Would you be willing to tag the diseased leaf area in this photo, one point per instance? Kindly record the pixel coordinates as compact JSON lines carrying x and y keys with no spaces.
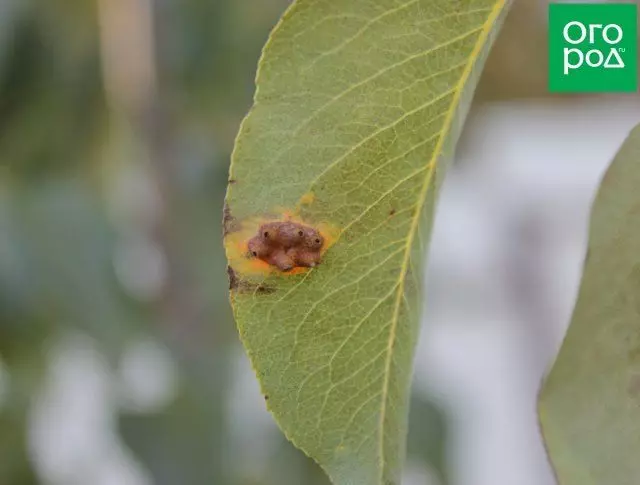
{"x":358,"y":103}
{"x":287,"y":245}
{"x":590,"y":403}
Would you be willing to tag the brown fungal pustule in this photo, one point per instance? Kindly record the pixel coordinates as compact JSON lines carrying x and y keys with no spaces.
{"x":304,"y":257}
{"x":287,"y":245}
{"x":259,"y":248}
{"x":288,"y":234}
{"x":312,"y":239}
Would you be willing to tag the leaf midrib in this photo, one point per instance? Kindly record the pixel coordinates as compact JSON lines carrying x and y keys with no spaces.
{"x":480,"y":43}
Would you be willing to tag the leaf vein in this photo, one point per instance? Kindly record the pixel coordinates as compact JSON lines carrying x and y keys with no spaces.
{"x":486,"y":27}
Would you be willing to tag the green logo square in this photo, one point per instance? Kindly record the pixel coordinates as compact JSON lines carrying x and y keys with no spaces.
{"x":593,"y":47}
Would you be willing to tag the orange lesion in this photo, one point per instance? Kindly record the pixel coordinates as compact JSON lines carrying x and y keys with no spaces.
{"x":244,"y":235}
{"x":307,"y":199}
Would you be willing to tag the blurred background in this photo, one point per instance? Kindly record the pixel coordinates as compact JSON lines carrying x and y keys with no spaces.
{"x":119,"y":359}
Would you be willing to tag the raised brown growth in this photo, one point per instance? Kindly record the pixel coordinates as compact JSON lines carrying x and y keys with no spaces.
{"x":287,"y":245}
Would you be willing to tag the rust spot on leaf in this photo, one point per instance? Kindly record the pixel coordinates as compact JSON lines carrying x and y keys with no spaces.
{"x":248,"y":266}
{"x":233,"y":278}
{"x":307,"y":199}
{"x":243,"y":286}
{"x":261,"y":289}
{"x":287,"y":245}
{"x":229,"y":223}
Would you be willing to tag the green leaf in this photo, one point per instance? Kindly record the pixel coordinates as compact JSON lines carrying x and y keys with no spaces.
{"x":427,"y":439}
{"x":590,"y":402}
{"x":357,"y":109}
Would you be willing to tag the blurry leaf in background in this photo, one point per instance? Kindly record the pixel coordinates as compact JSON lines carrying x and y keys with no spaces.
{"x":50,"y":94}
{"x":517,"y":65}
{"x":357,"y":110}
{"x":427,"y":440}
{"x":14,"y":466}
{"x":590,"y":402}
{"x":173,"y":448}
